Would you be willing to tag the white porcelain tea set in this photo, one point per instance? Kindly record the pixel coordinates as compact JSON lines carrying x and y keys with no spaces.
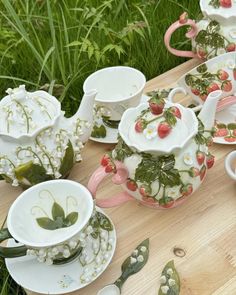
{"x":55,"y":228}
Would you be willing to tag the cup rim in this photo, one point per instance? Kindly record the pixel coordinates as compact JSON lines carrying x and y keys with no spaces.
{"x":90,"y":209}
{"x":85,"y":89}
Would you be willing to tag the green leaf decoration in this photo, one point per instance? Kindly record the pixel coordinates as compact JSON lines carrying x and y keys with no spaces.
{"x":189,"y":80}
{"x":169,"y":177}
{"x":47,"y":223}
{"x":110,"y":123}
{"x":99,"y":132}
{"x":57,"y":212}
{"x":213,"y":27}
{"x":202,"y":37}
{"x":71,"y":218}
{"x":202,"y":68}
{"x":134,"y":263}
{"x":215,"y":3}
{"x":104,"y":222}
{"x":231,"y":126}
{"x":171,"y":276}
{"x":122,"y":151}
{"x":221,"y":125}
{"x":170,"y":117}
{"x":67,"y":161}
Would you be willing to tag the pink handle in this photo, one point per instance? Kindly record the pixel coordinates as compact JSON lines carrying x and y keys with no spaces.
{"x":119,"y":178}
{"x":227,"y":101}
{"x":191,"y":34}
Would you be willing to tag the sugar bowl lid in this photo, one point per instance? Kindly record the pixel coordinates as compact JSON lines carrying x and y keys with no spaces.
{"x":155,"y":127}
{"x":24,"y":113}
{"x":220,"y":10}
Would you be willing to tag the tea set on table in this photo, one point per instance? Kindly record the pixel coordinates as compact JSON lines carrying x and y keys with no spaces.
{"x":55,"y":228}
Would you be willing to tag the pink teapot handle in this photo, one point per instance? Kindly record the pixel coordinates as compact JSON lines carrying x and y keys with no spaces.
{"x":191,"y":34}
{"x":119,"y":177}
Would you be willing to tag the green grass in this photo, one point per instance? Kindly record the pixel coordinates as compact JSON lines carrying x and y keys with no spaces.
{"x":56,"y":44}
{"x":60,"y":42}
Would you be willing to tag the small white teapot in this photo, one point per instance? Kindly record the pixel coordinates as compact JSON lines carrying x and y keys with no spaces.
{"x":162,"y":154}
{"x":37,"y":142}
{"x":215,"y":34}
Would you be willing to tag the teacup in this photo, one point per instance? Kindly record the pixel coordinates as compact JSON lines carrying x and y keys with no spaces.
{"x":119,"y":88}
{"x":52,"y":220}
{"x":230,"y":165}
{"x":219,"y":73}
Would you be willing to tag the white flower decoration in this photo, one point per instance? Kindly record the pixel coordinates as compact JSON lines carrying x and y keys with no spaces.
{"x":150,"y":132}
{"x":231,"y":64}
{"x":173,"y":193}
{"x":188,"y":159}
{"x":232,"y":33}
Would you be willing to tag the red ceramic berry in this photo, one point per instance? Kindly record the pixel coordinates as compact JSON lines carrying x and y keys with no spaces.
{"x":210,"y":160}
{"x":131,"y":185}
{"x":202,"y":53}
{"x":226,"y":86}
{"x":230,"y":138}
{"x":195,"y":91}
{"x":109,"y":168}
{"x":156,"y":105}
{"x":226,"y":3}
{"x":212,"y":87}
{"x":176,"y":112}
{"x":187,"y":189}
{"x":105,"y":160}
{"x":144,"y":190}
{"x":183,"y":18}
{"x":222,"y":75}
{"x":231,"y":47}
{"x":203,"y":96}
{"x":194,"y":172}
{"x":163,"y":129}
{"x":221,"y":132}
{"x":139,"y":126}
{"x":202,"y":172}
{"x":166,"y":202}
{"x":200,"y":157}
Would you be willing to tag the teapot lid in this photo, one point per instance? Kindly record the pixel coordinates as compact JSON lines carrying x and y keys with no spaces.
{"x":220,"y":10}
{"x":24,"y":113}
{"x":158,"y":127}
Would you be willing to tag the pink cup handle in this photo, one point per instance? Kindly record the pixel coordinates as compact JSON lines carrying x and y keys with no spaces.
{"x":191,"y":34}
{"x":119,"y":177}
{"x":228,"y":101}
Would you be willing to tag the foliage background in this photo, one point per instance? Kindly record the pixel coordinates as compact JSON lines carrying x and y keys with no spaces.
{"x":56,"y":44}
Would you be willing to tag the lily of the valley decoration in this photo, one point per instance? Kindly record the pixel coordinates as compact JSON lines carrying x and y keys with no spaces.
{"x":170,"y":281}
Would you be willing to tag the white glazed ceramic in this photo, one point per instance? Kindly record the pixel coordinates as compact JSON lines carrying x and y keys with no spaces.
{"x":159,"y":171}
{"x":118,"y":88}
{"x":62,"y":279}
{"x":214,"y":35}
{"x":230,"y":165}
{"x":37,"y":142}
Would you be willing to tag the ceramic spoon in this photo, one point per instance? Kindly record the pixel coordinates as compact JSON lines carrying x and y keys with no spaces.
{"x":134,"y":263}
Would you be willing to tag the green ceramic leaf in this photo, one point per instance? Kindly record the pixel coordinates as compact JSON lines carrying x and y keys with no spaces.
{"x":71,"y":218}
{"x":221,"y":125}
{"x":231,"y":126}
{"x":57,"y":211}
{"x":134,"y":263}
{"x":46,"y":223}
{"x":189,"y":80}
{"x":104,"y":222}
{"x":110,"y":123}
{"x":29,"y":174}
{"x":170,"y":273}
{"x":215,"y":3}
{"x":122,"y":151}
{"x":169,"y":177}
{"x":213,"y":27}
{"x":68,"y":160}
{"x":99,"y":132}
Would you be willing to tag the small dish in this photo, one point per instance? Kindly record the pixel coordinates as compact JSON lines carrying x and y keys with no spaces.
{"x":112,"y":133}
{"x":225,"y":123}
{"x":61,"y":279}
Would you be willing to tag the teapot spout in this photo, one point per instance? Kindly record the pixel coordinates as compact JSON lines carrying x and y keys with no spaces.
{"x":85,"y":113}
{"x":207,"y":114}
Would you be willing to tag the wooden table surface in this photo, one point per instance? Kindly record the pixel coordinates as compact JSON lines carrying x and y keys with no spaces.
{"x":204,"y":227}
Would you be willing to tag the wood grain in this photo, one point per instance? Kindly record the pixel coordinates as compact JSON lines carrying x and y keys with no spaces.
{"x":204,"y":227}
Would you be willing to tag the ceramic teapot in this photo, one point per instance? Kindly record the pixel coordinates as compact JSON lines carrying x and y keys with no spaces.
{"x":215,"y":34}
{"x":162,"y":154}
{"x":37,"y":142}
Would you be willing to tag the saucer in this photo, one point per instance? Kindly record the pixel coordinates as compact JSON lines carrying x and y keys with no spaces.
{"x":112,"y":133}
{"x":60,"y":279}
{"x":223,"y":122}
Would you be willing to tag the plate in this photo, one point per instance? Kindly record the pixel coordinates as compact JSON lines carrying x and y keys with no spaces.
{"x":60,"y":279}
{"x":225,"y":119}
{"x":112,"y":133}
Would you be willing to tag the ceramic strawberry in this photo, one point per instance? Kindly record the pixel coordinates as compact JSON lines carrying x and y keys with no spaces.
{"x":166,"y":161}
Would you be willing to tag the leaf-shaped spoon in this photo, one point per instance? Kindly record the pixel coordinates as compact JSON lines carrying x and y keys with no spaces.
{"x":132,"y":264}
{"x":170,"y":282}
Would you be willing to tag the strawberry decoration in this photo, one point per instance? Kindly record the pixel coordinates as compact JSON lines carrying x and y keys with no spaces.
{"x":164,"y":129}
{"x":166,"y":202}
{"x":200,"y":157}
{"x":183,"y":18}
{"x":195,"y":91}
{"x":145,"y":190}
{"x":231,"y":47}
{"x":226,"y":86}
{"x":139,"y":126}
{"x":230,"y":138}
{"x":176,"y":112}
{"x":222,"y":132}
{"x":202,"y":53}
{"x":202,"y":172}
{"x":110,"y":168}
{"x":108,"y":164}
{"x":156,"y":105}
{"x":131,"y":185}
{"x":234,"y":73}
{"x":222,"y":75}
{"x":226,"y":3}
{"x":186,"y":190}
{"x":105,"y":160}
{"x":210,"y":160}
{"x":194,"y":172}
{"x":212,"y":87}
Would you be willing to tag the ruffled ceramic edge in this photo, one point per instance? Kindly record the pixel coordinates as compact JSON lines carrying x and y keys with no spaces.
{"x":128,"y":116}
{"x":217,"y":15}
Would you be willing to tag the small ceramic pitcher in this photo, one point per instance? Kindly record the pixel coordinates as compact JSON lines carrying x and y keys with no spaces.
{"x":214,"y":35}
{"x":51,"y":221}
{"x":230,"y":165}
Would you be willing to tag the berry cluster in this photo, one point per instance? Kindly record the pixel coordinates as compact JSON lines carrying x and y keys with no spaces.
{"x":228,"y":132}
{"x":221,"y":3}
{"x":108,"y":163}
